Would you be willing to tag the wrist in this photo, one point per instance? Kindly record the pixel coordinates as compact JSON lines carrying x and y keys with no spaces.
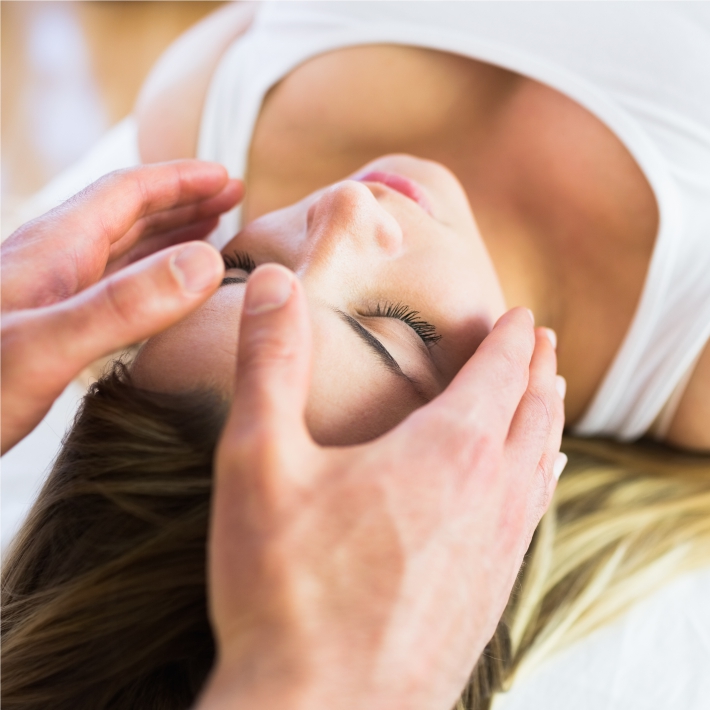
{"x":248,"y":687}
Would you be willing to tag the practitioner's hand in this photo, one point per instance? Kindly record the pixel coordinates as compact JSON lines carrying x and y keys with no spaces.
{"x":371,"y":576}
{"x":58,"y":313}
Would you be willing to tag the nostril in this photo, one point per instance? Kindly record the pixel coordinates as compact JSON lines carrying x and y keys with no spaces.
{"x":388,"y":234}
{"x":310,"y":215}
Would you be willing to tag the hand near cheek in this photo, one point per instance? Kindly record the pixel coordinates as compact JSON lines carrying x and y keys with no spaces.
{"x":371,"y":576}
{"x":60,"y":313}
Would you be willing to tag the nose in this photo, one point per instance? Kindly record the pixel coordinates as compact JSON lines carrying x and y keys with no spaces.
{"x":347,"y":215}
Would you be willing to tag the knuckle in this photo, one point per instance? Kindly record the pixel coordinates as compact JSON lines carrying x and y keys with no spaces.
{"x":540,"y":408}
{"x":515,"y":355}
{"x":120,"y":309}
{"x":541,"y":496}
{"x":467,"y":444}
{"x":513,"y":367}
{"x":266,"y":348}
{"x":542,"y":492}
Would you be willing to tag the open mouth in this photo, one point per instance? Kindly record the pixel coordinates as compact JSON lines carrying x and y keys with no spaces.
{"x":401,"y":184}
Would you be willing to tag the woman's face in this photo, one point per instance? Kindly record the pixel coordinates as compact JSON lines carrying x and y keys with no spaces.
{"x":400,"y":287}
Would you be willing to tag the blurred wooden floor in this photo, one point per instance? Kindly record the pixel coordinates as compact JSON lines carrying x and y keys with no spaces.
{"x":70,"y":70}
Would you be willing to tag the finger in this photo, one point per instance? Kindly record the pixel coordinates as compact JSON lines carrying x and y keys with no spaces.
{"x":536,"y":433}
{"x":44,"y":349}
{"x":491,"y":384}
{"x":62,"y":252}
{"x":540,"y":408}
{"x":273,"y":372}
{"x":158,"y":242}
{"x":157,"y":223}
{"x":139,"y":301}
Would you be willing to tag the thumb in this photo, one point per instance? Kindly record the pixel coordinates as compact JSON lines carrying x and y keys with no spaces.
{"x":264,"y":437}
{"x":273,"y":371}
{"x":43,"y":349}
{"x":132,"y":305}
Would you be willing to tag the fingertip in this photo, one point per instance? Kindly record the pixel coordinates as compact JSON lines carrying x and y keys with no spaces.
{"x":269,"y":288}
{"x":197,"y":267}
{"x":518,"y":315}
{"x":202,"y":169}
{"x":559,"y":465}
{"x":233,"y":191}
{"x":199,"y":178}
{"x":545,"y":353}
{"x":516,"y":325}
{"x":236,"y":183}
{"x":561,"y":386}
{"x":551,"y":336}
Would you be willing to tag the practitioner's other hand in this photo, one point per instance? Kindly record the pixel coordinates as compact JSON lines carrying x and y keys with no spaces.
{"x":60,"y":313}
{"x":371,"y":576}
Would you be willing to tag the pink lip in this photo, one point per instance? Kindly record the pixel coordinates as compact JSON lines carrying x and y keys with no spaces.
{"x":401,"y":184}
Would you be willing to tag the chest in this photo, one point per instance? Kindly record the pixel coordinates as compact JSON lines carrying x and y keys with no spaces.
{"x":511,"y":141}
{"x":567,"y":215}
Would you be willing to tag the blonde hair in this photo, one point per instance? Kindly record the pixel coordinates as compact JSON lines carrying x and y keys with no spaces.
{"x":104,"y":598}
{"x":623,"y":521}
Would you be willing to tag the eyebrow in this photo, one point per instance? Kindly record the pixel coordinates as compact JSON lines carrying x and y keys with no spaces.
{"x":381,"y":351}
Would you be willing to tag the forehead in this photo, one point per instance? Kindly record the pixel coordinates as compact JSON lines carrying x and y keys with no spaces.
{"x":200,"y":351}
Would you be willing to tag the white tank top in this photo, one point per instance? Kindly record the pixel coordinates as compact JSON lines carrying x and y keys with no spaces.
{"x":641,"y":68}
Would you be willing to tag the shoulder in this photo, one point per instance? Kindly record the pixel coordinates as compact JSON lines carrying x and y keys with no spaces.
{"x":690,"y":427}
{"x":169,"y":107}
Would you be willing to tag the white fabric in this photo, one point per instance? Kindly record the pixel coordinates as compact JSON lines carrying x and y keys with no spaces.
{"x":642,"y":68}
{"x":117,"y":149}
{"x":656,"y":657}
{"x":24,"y":469}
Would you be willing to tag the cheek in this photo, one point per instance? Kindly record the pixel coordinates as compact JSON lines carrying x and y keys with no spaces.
{"x":343,"y":416}
{"x":352,"y":398}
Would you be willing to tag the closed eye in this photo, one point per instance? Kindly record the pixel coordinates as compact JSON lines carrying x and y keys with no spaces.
{"x":399,"y":311}
{"x":383,"y":354}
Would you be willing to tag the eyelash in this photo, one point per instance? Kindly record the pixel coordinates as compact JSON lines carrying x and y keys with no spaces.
{"x":426,"y":331}
{"x":239,"y":260}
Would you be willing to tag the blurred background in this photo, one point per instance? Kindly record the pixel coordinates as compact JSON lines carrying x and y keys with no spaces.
{"x":70,"y":71}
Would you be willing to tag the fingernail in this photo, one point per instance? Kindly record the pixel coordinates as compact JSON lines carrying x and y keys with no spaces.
{"x":561,"y":386}
{"x":532,"y":315}
{"x":196,"y":267}
{"x":551,"y":336}
{"x":269,"y":288}
{"x":560,"y":463}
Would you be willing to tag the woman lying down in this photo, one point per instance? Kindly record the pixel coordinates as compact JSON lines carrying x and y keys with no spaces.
{"x":531,"y":186}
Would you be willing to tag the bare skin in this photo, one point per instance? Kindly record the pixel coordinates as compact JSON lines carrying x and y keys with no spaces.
{"x":76,"y":285}
{"x":566,"y":214}
{"x":346,"y":537}
{"x":327,"y":566}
